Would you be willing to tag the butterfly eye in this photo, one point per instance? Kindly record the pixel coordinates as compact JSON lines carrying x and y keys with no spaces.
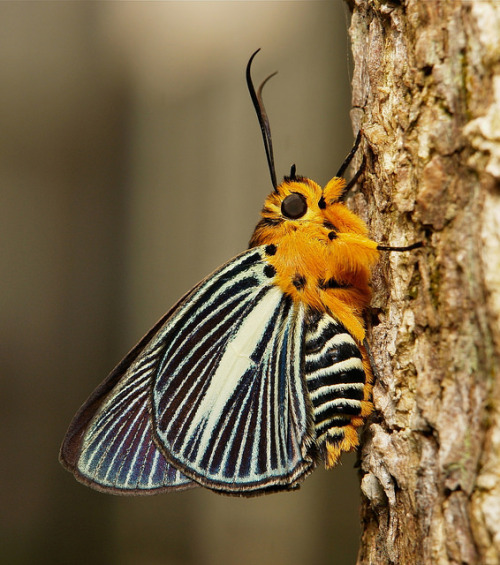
{"x":294,"y":206}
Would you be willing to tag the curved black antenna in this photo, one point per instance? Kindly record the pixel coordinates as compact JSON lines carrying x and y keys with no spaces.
{"x":263,"y":119}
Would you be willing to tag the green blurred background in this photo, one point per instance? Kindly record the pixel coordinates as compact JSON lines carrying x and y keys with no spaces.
{"x":131,"y":165}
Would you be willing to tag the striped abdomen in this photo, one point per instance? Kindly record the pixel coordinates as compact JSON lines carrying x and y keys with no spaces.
{"x":335,"y":377}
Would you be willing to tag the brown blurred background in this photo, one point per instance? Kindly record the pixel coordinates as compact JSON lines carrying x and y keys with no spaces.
{"x":131,"y":165}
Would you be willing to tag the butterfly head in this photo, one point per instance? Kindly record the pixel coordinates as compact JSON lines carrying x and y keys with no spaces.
{"x":300,"y":206}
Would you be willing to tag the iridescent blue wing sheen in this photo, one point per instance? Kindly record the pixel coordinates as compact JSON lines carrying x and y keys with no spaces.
{"x":214,"y":394}
{"x":109,"y":444}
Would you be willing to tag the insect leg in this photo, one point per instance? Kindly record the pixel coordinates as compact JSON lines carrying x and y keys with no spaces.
{"x":354,"y":179}
{"x":350,"y":156}
{"x":405,"y":248}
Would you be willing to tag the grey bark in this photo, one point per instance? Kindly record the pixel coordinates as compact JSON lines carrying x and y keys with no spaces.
{"x":426,"y":91}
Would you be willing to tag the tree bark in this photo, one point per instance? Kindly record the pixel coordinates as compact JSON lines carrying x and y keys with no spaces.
{"x":426,"y":91}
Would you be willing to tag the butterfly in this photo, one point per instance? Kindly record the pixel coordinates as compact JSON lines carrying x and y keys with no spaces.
{"x":258,"y":373}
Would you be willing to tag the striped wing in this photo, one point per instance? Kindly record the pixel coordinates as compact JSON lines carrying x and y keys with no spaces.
{"x":213,"y":394}
{"x":229,"y":401}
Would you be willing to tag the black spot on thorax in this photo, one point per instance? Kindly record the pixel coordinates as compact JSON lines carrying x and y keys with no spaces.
{"x":269,"y":271}
{"x":271,"y":249}
{"x":299,"y":281}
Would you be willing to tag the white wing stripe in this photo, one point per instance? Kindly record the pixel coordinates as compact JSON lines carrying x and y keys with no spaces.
{"x":234,"y":364}
{"x":206,"y":336}
{"x":194,"y":369}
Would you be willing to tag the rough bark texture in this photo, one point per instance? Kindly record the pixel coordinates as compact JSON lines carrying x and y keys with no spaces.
{"x":426,"y":91}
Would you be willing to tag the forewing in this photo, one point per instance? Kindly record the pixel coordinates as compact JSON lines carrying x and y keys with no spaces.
{"x":229,"y":401}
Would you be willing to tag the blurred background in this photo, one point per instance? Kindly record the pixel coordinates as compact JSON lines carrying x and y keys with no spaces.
{"x":131,"y":166}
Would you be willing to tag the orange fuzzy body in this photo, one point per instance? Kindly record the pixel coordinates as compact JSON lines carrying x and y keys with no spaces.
{"x":328,"y":243}
{"x":307,"y":251}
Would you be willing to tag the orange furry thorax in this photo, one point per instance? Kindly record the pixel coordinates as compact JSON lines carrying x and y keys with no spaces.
{"x":325,"y":257}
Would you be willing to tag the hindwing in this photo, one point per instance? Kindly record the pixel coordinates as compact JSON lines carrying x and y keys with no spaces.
{"x":109,"y":444}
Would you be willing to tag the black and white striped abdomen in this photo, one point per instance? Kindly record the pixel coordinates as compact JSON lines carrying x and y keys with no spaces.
{"x":334,"y":375}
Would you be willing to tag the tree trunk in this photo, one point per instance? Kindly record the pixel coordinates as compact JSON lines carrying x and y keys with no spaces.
{"x":426,"y":91}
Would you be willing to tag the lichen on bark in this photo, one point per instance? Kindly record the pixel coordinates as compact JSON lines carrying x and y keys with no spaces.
{"x":426,"y":92}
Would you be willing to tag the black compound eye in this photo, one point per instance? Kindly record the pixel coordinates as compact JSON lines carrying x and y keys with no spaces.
{"x":294,"y":206}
